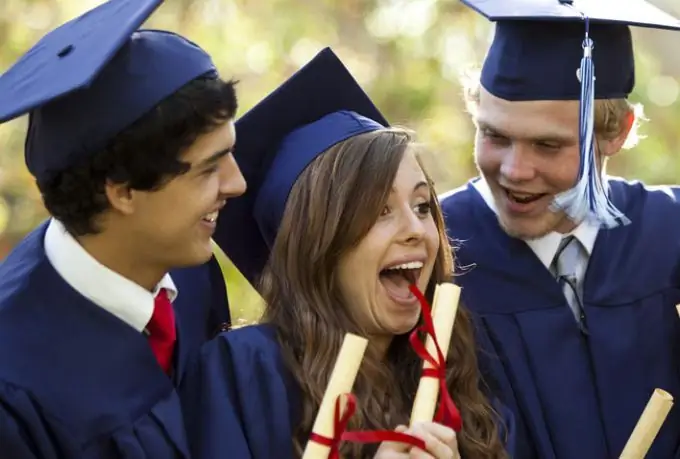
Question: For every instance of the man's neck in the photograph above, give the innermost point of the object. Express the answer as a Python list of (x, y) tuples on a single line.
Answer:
[(119, 256), (566, 226)]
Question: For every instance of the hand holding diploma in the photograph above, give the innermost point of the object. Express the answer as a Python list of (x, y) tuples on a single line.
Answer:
[(338, 406), (440, 442)]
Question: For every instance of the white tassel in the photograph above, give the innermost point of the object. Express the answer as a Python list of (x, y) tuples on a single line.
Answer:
[(588, 199)]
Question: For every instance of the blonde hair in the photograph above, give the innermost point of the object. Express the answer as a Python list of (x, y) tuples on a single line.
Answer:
[(610, 114)]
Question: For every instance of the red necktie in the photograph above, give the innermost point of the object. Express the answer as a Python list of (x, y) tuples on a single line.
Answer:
[(161, 327)]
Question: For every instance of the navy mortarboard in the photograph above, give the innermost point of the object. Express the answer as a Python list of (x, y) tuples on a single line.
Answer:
[(568, 50), (89, 79), (319, 106)]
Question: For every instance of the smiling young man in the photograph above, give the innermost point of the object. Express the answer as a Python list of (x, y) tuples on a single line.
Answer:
[(576, 318), (130, 141)]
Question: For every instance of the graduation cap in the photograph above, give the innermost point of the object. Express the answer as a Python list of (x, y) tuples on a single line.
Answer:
[(568, 50), (319, 106), (91, 78)]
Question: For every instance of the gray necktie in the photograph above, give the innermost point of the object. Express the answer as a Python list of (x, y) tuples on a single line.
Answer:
[(567, 267)]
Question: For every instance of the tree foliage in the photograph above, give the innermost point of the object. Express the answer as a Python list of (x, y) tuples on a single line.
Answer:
[(407, 54)]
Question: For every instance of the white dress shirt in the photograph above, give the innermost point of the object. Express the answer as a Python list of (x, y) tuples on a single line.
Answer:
[(123, 298)]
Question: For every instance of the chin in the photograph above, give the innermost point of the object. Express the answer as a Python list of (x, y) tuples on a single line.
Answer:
[(526, 229), (195, 257), (402, 326), (202, 257)]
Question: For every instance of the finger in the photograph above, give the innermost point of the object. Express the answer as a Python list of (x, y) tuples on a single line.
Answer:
[(386, 454), (454, 447), (435, 446), (452, 442), (443, 433), (392, 450), (417, 453), (393, 446)]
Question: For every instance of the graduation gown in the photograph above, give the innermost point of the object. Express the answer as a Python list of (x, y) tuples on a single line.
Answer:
[(78, 383), (240, 398), (577, 395)]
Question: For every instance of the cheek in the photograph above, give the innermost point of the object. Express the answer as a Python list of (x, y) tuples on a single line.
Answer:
[(560, 173), (199, 194), (173, 213), (204, 191), (163, 223), (352, 289), (571, 164), (194, 202), (487, 156), (357, 273), (433, 239), (433, 242)]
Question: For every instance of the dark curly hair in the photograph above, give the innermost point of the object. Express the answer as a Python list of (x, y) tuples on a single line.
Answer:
[(145, 155)]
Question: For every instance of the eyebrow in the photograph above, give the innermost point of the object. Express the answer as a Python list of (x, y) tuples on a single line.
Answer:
[(418, 186), (548, 137), (214, 158), (421, 184)]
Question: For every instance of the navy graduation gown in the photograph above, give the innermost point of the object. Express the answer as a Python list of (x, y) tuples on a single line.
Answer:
[(77, 382), (576, 395), (240, 398)]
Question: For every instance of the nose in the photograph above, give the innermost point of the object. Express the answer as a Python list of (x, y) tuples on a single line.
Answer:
[(232, 182), (413, 226), (517, 165)]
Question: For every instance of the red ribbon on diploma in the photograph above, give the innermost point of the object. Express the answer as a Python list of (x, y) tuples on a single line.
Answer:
[(340, 433), (447, 413)]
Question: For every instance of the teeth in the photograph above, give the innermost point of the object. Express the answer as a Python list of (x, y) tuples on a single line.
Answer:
[(410, 265), (211, 217), (523, 195)]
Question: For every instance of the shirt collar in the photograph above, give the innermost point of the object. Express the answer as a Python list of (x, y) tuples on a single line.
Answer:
[(545, 247), (118, 295)]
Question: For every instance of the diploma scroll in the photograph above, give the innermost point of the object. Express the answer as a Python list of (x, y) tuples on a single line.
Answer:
[(340, 382), (444, 309), (648, 425)]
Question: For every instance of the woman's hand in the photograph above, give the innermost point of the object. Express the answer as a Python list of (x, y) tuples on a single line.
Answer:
[(440, 443)]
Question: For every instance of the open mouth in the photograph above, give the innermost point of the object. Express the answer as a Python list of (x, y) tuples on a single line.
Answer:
[(397, 279), (523, 198)]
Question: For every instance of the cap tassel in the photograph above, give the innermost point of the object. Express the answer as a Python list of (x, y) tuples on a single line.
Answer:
[(588, 199)]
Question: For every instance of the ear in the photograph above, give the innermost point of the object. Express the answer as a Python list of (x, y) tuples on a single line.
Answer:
[(614, 145), (120, 197)]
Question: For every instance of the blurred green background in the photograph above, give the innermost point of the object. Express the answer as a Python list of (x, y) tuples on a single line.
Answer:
[(407, 54)]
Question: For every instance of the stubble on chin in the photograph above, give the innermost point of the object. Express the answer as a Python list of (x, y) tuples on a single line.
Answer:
[(530, 230)]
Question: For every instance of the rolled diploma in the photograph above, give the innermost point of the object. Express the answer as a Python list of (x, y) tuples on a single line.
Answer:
[(341, 382), (648, 425), (444, 309)]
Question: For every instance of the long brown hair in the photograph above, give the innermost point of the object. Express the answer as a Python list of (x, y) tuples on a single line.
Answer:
[(332, 206)]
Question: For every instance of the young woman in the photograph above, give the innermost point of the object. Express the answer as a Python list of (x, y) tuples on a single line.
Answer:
[(358, 223)]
